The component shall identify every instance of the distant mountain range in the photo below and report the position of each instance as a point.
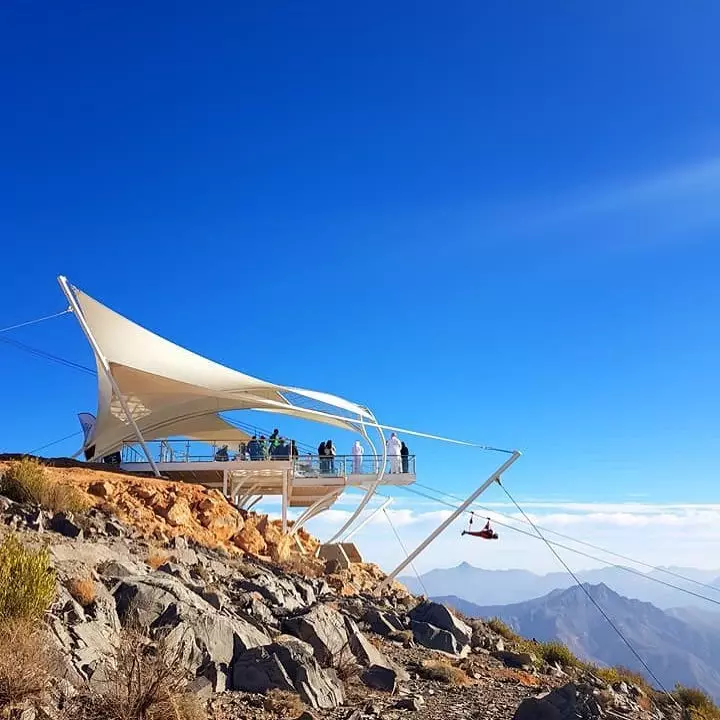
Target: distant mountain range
(681, 645)
(499, 587)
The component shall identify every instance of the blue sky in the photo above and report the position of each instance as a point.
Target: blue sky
(494, 221)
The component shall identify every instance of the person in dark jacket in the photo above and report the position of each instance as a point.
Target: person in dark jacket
(404, 456)
(321, 455)
(330, 456)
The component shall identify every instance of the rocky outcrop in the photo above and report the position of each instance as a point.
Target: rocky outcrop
(282, 667)
(206, 640)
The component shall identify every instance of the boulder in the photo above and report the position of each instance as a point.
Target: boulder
(114, 529)
(102, 488)
(177, 513)
(276, 666)
(379, 677)
(434, 638)
(250, 540)
(368, 655)
(440, 617)
(563, 703)
(515, 659)
(298, 646)
(117, 569)
(383, 623)
(280, 592)
(324, 629)
(64, 524)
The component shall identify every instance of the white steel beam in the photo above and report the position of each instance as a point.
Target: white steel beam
(443, 526)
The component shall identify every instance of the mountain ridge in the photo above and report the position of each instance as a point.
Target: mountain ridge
(676, 649)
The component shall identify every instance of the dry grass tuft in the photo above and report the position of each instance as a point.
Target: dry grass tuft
(156, 558)
(555, 652)
(697, 704)
(444, 672)
(27, 581)
(343, 662)
(27, 664)
(405, 637)
(283, 704)
(503, 629)
(83, 590)
(26, 481)
(145, 681)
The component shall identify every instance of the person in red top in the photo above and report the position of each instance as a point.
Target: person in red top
(487, 533)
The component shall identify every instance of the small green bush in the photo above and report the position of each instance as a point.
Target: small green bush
(555, 652)
(26, 481)
(27, 581)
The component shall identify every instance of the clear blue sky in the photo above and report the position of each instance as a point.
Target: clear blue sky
(496, 221)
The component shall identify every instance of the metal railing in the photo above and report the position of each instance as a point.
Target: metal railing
(342, 465)
(305, 465)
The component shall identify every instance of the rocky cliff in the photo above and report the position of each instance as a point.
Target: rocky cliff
(165, 586)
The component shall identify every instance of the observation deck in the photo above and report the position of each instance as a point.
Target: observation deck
(303, 481)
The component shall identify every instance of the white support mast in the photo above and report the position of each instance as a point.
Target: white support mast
(96, 348)
(470, 500)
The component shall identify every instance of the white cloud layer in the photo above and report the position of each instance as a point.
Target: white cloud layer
(658, 534)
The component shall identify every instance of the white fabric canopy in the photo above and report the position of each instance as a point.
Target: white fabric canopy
(171, 391)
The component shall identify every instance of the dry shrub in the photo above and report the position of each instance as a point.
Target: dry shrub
(28, 661)
(83, 590)
(145, 681)
(405, 637)
(156, 558)
(444, 672)
(26, 481)
(503, 629)
(283, 704)
(697, 704)
(27, 581)
(555, 652)
(344, 663)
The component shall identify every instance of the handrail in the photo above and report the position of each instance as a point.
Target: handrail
(304, 465)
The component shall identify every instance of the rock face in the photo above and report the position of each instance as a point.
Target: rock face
(324, 629)
(206, 640)
(281, 667)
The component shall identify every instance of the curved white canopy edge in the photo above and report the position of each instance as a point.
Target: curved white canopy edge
(171, 391)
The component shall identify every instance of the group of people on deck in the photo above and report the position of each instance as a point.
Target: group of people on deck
(277, 448)
(397, 452)
(273, 448)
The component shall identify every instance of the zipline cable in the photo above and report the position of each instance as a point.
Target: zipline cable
(583, 542)
(54, 442)
(632, 571)
(48, 356)
(404, 549)
(589, 596)
(34, 322)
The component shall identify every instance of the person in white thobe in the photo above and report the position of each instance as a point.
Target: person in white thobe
(393, 451)
(357, 453)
